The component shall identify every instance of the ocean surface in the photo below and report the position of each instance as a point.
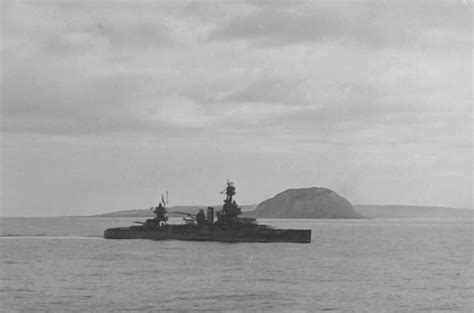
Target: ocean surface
(371, 265)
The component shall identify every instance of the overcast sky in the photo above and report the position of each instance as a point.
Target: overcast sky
(106, 104)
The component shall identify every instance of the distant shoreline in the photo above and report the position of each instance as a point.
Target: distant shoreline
(367, 210)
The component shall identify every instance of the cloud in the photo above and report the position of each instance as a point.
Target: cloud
(268, 90)
(95, 68)
(439, 24)
(355, 96)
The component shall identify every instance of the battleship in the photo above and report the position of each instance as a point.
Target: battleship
(228, 226)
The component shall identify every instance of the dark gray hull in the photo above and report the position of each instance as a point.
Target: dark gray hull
(210, 234)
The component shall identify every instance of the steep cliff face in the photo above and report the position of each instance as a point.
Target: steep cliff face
(307, 203)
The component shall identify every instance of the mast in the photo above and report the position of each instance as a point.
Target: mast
(230, 209)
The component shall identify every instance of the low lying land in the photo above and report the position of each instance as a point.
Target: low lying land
(315, 202)
(366, 210)
(411, 211)
(190, 209)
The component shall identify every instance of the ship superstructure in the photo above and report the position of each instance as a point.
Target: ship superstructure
(229, 226)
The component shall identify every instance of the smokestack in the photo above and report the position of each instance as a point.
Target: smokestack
(210, 215)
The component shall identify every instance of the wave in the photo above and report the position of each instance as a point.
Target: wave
(45, 236)
(22, 235)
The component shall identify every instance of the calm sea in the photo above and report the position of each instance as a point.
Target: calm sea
(376, 265)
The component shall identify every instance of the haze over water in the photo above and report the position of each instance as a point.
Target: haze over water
(375, 265)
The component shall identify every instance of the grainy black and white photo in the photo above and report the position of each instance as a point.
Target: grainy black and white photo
(236, 156)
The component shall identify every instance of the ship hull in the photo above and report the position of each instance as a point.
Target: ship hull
(210, 234)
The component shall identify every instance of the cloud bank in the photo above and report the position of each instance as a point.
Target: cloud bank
(377, 86)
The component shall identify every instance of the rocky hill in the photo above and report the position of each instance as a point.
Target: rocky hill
(311, 202)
